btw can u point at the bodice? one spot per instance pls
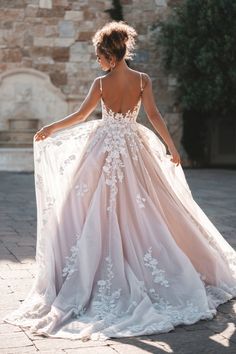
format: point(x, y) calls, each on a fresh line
point(130, 116)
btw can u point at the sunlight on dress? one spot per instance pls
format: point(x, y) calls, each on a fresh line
point(122, 247)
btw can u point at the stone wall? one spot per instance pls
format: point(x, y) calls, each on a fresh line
point(54, 38)
point(146, 16)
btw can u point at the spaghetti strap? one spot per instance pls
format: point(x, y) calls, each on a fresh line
point(100, 84)
point(141, 82)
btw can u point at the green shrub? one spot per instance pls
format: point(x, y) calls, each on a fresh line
point(199, 49)
point(199, 42)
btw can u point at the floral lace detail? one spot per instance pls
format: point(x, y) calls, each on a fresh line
point(140, 200)
point(66, 163)
point(131, 114)
point(142, 287)
point(230, 257)
point(78, 311)
point(43, 224)
point(69, 268)
point(220, 294)
point(119, 134)
point(158, 274)
point(50, 201)
point(190, 311)
point(106, 301)
point(81, 189)
point(39, 182)
point(114, 145)
point(187, 313)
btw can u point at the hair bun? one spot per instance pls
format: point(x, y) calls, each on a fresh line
point(116, 38)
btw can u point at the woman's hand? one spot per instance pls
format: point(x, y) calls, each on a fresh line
point(175, 155)
point(44, 132)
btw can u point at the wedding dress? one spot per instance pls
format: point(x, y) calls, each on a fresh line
point(122, 247)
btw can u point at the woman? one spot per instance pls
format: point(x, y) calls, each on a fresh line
point(122, 247)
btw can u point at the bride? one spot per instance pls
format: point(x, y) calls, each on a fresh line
point(122, 247)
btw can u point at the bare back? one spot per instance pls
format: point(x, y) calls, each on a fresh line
point(121, 91)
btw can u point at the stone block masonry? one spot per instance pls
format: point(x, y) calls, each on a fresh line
point(54, 38)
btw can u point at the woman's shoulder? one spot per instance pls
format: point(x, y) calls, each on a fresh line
point(146, 80)
point(99, 80)
point(145, 77)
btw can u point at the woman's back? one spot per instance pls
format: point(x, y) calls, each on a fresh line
point(122, 90)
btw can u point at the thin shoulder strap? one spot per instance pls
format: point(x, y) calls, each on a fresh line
point(100, 84)
point(141, 82)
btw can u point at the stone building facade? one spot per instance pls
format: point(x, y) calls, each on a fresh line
point(47, 64)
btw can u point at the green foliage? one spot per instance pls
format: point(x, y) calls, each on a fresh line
point(199, 42)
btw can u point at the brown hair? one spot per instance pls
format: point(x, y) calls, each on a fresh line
point(115, 38)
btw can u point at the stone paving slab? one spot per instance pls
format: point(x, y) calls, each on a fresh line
point(213, 189)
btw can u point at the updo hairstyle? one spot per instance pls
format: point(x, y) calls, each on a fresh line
point(115, 38)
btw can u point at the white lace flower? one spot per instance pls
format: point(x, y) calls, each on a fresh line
point(120, 137)
point(158, 274)
point(106, 301)
point(78, 311)
point(81, 189)
point(70, 268)
point(66, 163)
point(39, 181)
point(140, 200)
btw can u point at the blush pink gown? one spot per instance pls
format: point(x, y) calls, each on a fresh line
point(122, 247)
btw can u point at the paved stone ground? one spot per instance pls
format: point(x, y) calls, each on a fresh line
point(214, 190)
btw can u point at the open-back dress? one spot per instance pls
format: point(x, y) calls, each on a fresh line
point(123, 249)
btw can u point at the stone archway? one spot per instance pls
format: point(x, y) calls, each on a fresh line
point(28, 100)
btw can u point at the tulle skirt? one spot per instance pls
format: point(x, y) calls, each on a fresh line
point(122, 247)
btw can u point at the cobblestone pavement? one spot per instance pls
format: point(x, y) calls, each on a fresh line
point(214, 190)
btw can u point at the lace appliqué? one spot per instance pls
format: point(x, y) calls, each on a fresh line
point(187, 313)
point(217, 294)
point(120, 137)
point(114, 145)
point(70, 268)
point(49, 203)
point(81, 189)
point(39, 182)
point(131, 114)
point(152, 263)
point(220, 294)
point(140, 200)
point(106, 301)
point(66, 163)
point(230, 258)
point(78, 311)
point(49, 199)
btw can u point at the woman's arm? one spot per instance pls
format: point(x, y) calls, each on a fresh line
point(86, 108)
point(156, 119)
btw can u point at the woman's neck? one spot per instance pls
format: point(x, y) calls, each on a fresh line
point(120, 67)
